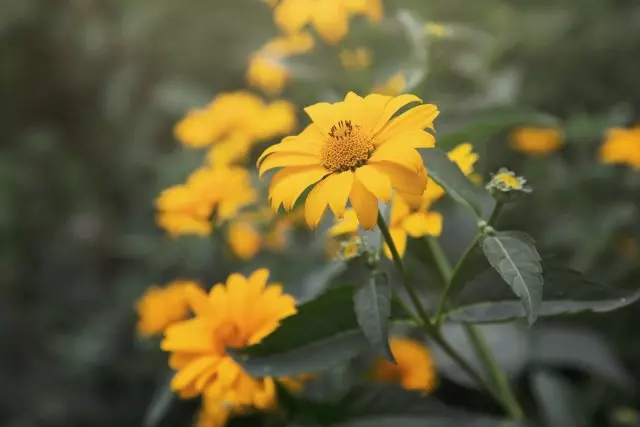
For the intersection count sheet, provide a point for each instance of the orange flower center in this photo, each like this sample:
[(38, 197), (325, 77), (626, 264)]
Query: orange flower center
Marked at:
[(346, 148)]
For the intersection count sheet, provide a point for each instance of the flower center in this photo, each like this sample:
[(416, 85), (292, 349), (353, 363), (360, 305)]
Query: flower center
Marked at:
[(346, 148)]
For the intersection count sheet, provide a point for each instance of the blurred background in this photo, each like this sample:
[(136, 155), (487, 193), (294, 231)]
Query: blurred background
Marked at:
[(90, 91)]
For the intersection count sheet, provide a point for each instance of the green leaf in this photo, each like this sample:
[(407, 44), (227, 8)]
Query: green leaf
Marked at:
[(450, 177), (588, 351), (557, 400), (485, 297), (323, 334), (515, 258), (372, 304)]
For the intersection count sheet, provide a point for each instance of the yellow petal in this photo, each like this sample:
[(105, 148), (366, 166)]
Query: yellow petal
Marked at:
[(423, 224), (340, 184), (399, 237), (399, 210), (198, 300), (316, 202), (402, 178), (419, 117), (309, 141), (258, 280), (291, 15), (323, 115), (391, 107), (348, 224), (364, 204), (288, 184), (375, 182), (398, 151), (280, 160), (190, 373), (330, 20)]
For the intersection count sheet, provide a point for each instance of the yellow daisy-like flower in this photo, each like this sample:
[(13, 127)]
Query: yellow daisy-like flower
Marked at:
[(414, 370), (160, 307), (403, 222), (208, 195), (234, 315), (396, 85), (536, 141), (355, 59), (353, 151), (330, 18), (621, 146)]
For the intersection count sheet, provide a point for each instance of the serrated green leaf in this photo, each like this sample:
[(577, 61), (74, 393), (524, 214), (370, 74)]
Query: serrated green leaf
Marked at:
[(323, 334), (450, 177), (485, 297), (514, 256), (372, 304)]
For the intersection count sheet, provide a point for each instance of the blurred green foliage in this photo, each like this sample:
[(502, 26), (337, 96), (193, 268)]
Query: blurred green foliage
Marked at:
[(90, 91)]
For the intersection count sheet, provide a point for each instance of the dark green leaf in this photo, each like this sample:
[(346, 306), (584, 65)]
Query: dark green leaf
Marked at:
[(450, 177), (514, 256), (485, 297), (323, 333), (557, 400), (372, 304), (166, 408), (587, 351)]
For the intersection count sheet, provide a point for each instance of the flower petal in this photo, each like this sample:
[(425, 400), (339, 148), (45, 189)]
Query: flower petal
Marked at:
[(423, 224), (419, 117), (331, 20), (391, 107), (375, 182), (402, 178), (258, 280), (289, 183), (398, 151), (348, 224), (291, 15), (185, 376), (340, 184), (399, 237), (280, 160), (364, 204), (198, 300), (317, 201)]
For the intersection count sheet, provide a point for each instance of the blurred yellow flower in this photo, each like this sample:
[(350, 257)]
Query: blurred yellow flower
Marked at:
[(266, 70), (396, 85), (234, 315), (355, 59), (436, 29), (536, 141), (402, 223), (159, 307), (208, 195), (229, 151), (330, 18), (622, 146), (414, 370), (233, 113), (353, 150), (244, 239)]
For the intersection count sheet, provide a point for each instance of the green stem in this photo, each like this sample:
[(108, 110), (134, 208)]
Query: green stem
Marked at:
[(496, 212), (499, 386), (493, 371), (448, 274), (439, 258), (423, 321)]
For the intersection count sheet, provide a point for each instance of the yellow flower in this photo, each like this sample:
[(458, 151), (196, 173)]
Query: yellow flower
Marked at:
[(266, 70), (330, 18), (229, 151), (209, 194), (244, 240), (160, 307), (402, 223), (414, 370), (396, 84), (234, 315), (355, 59), (213, 415), (622, 146), (536, 141), (353, 150)]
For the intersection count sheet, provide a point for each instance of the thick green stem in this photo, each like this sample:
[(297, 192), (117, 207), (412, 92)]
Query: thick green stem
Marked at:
[(499, 386), (496, 212), (493, 371)]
